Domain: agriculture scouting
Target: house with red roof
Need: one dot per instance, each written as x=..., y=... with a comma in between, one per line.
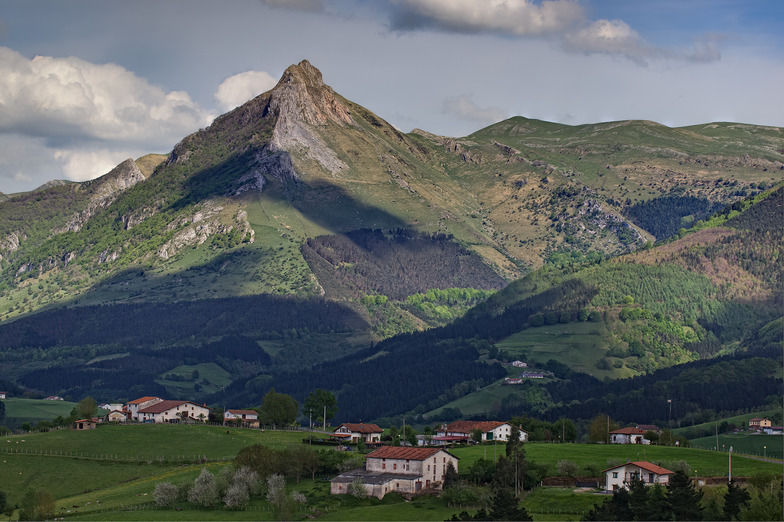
x=630, y=435
x=141, y=403
x=407, y=470
x=169, y=411
x=759, y=424
x=461, y=431
x=353, y=432
x=249, y=418
x=619, y=477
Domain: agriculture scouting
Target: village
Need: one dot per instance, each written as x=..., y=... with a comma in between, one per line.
x=409, y=467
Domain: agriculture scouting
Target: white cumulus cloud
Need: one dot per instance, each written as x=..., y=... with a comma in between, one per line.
x=236, y=90
x=85, y=117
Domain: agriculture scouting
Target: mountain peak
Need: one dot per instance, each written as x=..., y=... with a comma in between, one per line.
x=303, y=72
x=303, y=101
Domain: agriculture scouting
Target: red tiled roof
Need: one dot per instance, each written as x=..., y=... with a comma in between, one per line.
x=629, y=431
x=163, y=406
x=404, y=452
x=469, y=426
x=243, y=412
x=361, y=428
x=653, y=468
x=141, y=400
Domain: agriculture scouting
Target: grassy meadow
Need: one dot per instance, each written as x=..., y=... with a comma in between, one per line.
x=110, y=473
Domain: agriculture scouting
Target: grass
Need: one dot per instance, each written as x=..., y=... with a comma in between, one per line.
x=34, y=410
x=216, y=376
x=580, y=345
x=113, y=490
x=746, y=443
x=601, y=456
x=150, y=441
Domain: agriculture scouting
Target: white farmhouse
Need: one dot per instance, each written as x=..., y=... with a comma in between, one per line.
x=630, y=435
x=168, y=411
x=620, y=477
x=398, y=468
x=461, y=431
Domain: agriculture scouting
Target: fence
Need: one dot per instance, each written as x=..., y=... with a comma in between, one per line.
x=116, y=457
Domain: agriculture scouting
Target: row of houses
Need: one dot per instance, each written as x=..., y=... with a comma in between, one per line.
x=456, y=432
x=410, y=470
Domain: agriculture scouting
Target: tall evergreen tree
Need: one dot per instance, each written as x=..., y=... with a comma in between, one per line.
x=683, y=497
x=506, y=507
x=735, y=498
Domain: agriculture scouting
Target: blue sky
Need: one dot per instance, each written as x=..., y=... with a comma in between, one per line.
x=85, y=84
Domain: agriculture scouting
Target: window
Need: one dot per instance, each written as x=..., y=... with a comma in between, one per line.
x=383, y=466
x=615, y=474
x=394, y=466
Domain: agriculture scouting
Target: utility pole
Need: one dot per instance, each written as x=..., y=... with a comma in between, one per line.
x=325, y=418
x=730, y=475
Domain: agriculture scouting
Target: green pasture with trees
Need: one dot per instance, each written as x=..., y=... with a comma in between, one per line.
x=113, y=473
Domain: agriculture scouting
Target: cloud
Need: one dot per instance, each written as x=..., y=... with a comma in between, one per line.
x=464, y=107
x=563, y=21
x=296, y=5
x=85, y=116
x=236, y=90
x=509, y=17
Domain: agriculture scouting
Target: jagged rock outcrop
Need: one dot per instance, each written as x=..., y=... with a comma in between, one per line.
x=301, y=101
x=106, y=189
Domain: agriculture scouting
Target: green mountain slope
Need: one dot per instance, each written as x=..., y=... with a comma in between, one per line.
x=303, y=194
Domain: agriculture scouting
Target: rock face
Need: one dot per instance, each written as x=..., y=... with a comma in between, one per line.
x=106, y=189
x=301, y=101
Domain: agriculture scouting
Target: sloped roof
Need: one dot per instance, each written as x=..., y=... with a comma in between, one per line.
x=361, y=428
x=469, y=426
x=243, y=412
x=142, y=400
x=167, y=405
x=405, y=452
x=628, y=431
x=643, y=464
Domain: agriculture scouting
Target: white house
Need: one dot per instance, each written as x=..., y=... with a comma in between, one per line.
x=621, y=476
x=134, y=406
x=2, y=395
x=245, y=417
x=167, y=411
x=629, y=435
x=117, y=416
x=398, y=468
x=461, y=431
x=519, y=364
x=352, y=432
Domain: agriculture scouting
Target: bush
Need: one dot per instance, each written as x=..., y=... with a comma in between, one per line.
x=165, y=494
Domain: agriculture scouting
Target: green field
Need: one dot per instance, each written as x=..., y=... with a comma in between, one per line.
x=580, y=345
x=19, y=410
x=212, y=378
x=110, y=473
x=601, y=456
x=746, y=443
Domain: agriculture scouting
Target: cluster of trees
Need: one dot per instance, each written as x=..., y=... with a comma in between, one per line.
x=507, y=478
x=397, y=265
x=681, y=500
x=663, y=216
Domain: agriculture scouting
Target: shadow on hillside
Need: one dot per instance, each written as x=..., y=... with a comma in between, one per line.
x=322, y=202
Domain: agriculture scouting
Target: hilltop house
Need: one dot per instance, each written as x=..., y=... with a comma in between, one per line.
x=2, y=395
x=619, y=477
x=368, y=433
x=248, y=418
x=398, y=468
x=461, y=431
x=759, y=424
x=629, y=435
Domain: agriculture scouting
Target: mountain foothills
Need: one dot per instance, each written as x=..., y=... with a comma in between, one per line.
x=302, y=239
